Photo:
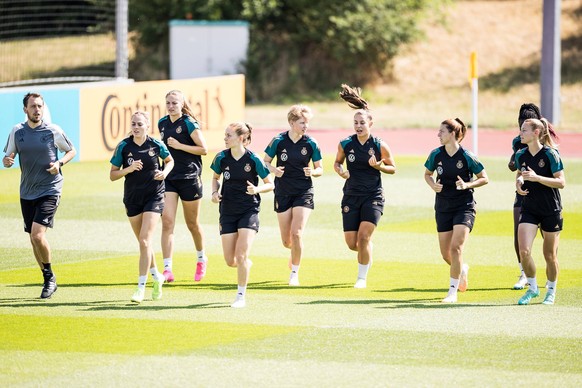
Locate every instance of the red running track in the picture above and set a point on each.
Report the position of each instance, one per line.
(422, 141)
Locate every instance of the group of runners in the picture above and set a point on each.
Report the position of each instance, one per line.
(160, 173)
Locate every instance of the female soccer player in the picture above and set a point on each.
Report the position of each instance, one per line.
(181, 133)
(366, 156)
(293, 185)
(539, 176)
(137, 159)
(239, 200)
(454, 203)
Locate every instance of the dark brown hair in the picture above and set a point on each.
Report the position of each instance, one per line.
(456, 126)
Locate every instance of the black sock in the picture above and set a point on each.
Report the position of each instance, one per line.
(47, 266)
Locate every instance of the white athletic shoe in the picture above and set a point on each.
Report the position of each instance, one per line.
(451, 298)
(521, 282)
(239, 302)
(464, 279)
(360, 283)
(294, 280)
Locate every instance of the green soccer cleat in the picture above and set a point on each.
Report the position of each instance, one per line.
(549, 299)
(528, 296)
(157, 292)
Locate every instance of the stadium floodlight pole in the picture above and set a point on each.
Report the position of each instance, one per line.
(475, 94)
(121, 33)
(551, 62)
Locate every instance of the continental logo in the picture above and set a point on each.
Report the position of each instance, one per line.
(116, 114)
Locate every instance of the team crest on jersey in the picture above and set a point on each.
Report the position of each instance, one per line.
(460, 164)
(179, 130)
(284, 157)
(541, 163)
(304, 151)
(226, 175)
(248, 167)
(151, 152)
(346, 209)
(439, 170)
(351, 157)
(371, 152)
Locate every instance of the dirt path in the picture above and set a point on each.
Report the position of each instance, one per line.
(422, 141)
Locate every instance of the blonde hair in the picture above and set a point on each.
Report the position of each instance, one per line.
(186, 109)
(242, 129)
(146, 116)
(546, 134)
(353, 96)
(297, 112)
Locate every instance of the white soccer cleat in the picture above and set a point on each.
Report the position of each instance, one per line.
(521, 282)
(294, 280)
(360, 283)
(464, 279)
(239, 302)
(451, 298)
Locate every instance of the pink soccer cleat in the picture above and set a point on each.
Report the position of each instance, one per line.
(200, 271)
(168, 275)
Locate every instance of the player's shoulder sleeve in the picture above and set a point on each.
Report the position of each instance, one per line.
(345, 142)
(316, 156)
(63, 143)
(473, 163)
(518, 155)
(260, 166)
(164, 152)
(555, 161)
(191, 124)
(117, 158)
(215, 166)
(271, 149)
(10, 147)
(430, 163)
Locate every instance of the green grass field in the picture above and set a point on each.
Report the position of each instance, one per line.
(324, 333)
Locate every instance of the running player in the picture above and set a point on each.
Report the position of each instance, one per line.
(239, 200)
(454, 203)
(37, 144)
(137, 158)
(293, 185)
(540, 175)
(366, 156)
(181, 133)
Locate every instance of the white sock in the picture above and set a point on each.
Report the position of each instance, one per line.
(295, 269)
(168, 264)
(242, 290)
(454, 285)
(363, 271)
(141, 281)
(155, 274)
(552, 286)
(533, 284)
(201, 256)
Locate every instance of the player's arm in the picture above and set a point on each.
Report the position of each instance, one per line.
(557, 181)
(9, 151)
(277, 171)
(338, 165)
(215, 196)
(386, 163)
(168, 166)
(436, 186)
(316, 171)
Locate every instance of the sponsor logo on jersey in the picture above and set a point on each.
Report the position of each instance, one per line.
(227, 168)
(351, 157)
(248, 167)
(439, 170)
(541, 163)
(284, 157)
(226, 175)
(130, 154)
(439, 163)
(46, 220)
(352, 151)
(304, 151)
(129, 161)
(460, 164)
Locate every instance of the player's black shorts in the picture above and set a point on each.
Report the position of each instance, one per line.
(358, 208)
(446, 220)
(40, 210)
(154, 204)
(286, 202)
(518, 200)
(187, 189)
(232, 223)
(553, 223)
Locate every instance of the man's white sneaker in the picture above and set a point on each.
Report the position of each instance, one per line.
(451, 298)
(464, 278)
(360, 283)
(521, 282)
(239, 302)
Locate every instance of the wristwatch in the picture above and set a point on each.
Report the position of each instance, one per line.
(61, 164)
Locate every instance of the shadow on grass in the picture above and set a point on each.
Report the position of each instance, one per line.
(261, 286)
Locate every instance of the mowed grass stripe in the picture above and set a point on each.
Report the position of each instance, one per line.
(125, 335)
